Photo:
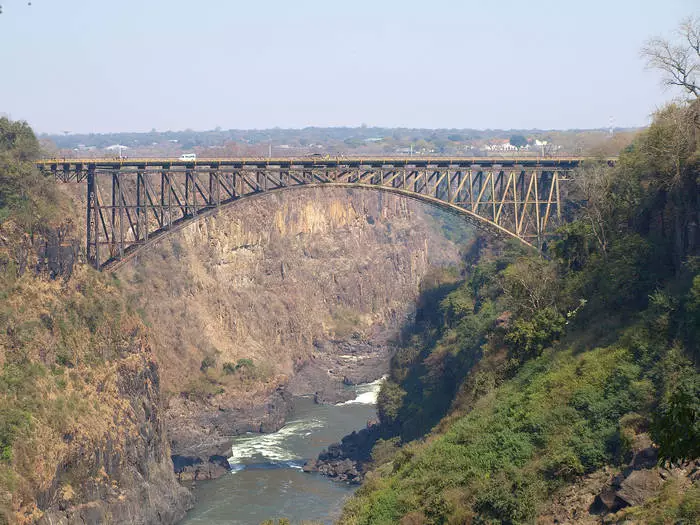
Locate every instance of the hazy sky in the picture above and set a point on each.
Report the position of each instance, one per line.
(132, 65)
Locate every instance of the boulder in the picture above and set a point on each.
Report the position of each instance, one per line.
(640, 486)
(310, 466)
(607, 501)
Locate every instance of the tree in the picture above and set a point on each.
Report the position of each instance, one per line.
(594, 183)
(17, 138)
(676, 424)
(679, 62)
(530, 284)
(529, 336)
(518, 141)
(669, 144)
(389, 402)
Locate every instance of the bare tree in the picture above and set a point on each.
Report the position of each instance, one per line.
(679, 61)
(594, 183)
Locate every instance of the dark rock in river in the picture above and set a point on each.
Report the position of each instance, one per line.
(345, 461)
(195, 469)
(340, 365)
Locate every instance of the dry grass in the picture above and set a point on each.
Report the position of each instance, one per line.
(66, 350)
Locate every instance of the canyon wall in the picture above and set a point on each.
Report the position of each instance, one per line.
(82, 427)
(243, 303)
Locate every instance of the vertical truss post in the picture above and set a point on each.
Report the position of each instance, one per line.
(113, 215)
(194, 191)
(120, 196)
(515, 202)
(493, 195)
(188, 177)
(470, 174)
(535, 178)
(169, 186)
(93, 231)
(162, 198)
(145, 202)
(556, 181)
(139, 205)
(458, 178)
(449, 186)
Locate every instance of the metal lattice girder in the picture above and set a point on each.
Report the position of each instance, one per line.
(133, 203)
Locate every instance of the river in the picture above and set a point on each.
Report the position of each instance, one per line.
(266, 480)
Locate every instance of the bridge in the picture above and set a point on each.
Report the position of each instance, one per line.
(132, 203)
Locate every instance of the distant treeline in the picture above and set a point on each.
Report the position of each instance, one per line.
(348, 136)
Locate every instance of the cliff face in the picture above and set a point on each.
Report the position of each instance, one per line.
(276, 293)
(82, 432)
(122, 474)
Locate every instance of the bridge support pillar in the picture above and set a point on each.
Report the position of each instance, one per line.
(93, 230)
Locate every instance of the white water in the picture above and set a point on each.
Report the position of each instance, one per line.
(366, 393)
(271, 447)
(266, 480)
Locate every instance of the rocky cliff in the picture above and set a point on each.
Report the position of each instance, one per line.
(82, 431)
(284, 293)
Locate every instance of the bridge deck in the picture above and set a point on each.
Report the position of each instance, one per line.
(329, 162)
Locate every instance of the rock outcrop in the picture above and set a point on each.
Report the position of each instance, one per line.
(607, 495)
(125, 475)
(345, 461)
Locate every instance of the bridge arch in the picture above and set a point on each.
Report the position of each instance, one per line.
(115, 262)
(132, 205)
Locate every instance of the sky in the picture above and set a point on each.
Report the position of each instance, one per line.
(135, 65)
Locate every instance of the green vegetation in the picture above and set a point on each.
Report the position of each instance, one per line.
(214, 381)
(242, 365)
(528, 373)
(208, 362)
(25, 196)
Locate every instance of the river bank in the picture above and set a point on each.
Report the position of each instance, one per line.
(266, 479)
(202, 433)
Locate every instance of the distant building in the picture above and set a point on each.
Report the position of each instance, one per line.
(501, 146)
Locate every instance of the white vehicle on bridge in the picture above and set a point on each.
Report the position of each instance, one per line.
(188, 156)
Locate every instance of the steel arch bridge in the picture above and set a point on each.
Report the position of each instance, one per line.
(133, 203)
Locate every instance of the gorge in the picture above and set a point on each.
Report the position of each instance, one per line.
(519, 388)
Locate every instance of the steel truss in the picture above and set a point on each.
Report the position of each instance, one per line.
(131, 206)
